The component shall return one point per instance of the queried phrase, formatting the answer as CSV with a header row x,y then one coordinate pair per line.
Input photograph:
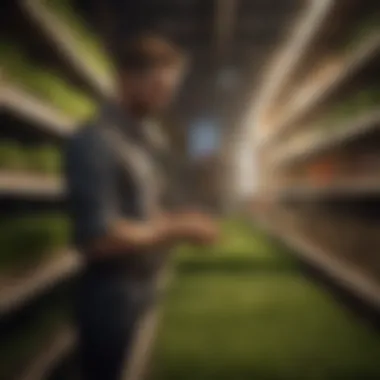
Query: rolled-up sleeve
x,y
92,187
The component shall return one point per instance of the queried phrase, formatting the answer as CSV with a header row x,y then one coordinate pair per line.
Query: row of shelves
x,y
33,258
34,111
18,291
320,79
45,82
73,42
350,169
44,94
314,132
317,137
314,142
289,57
53,74
319,92
351,270
347,189
29,97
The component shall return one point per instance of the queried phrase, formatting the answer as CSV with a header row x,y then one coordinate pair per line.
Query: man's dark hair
x,y
148,50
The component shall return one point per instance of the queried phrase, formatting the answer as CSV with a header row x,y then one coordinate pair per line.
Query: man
x,y
113,192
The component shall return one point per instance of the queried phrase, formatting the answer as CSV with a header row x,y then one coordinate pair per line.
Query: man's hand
x,y
195,227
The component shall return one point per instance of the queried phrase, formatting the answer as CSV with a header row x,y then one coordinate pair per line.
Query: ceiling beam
x,y
224,26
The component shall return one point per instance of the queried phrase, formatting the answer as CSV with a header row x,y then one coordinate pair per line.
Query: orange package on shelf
x,y
323,172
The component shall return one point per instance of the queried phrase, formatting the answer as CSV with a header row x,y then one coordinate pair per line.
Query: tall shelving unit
x,y
316,131
50,84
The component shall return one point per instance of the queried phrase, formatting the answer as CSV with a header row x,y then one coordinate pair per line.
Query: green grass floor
x,y
244,311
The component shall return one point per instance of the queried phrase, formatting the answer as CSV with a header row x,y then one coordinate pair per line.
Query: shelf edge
x,y
363,124
36,111
60,35
30,185
14,296
354,63
342,272
51,355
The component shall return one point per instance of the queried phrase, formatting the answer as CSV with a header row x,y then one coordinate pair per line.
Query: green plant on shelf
x,y
363,102
365,29
27,240
45,159
87,42
12,156
43,82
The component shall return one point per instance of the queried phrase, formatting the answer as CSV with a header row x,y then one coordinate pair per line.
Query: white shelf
x,y
308,98
320,141
51,355
24,185
350,187
15,292
294,51
347,275
35,111
65,41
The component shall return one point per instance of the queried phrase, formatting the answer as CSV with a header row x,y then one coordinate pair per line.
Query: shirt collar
x,y
145,132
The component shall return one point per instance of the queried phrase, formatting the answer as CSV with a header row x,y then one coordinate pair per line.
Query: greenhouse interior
x,y
273,131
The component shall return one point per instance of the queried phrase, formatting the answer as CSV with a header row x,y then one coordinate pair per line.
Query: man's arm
x,y
127,234
98,226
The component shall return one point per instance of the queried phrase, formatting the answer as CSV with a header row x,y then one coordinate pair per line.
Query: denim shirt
x,y
100,190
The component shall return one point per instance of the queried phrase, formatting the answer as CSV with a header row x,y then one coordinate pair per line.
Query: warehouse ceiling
x,y
229,42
